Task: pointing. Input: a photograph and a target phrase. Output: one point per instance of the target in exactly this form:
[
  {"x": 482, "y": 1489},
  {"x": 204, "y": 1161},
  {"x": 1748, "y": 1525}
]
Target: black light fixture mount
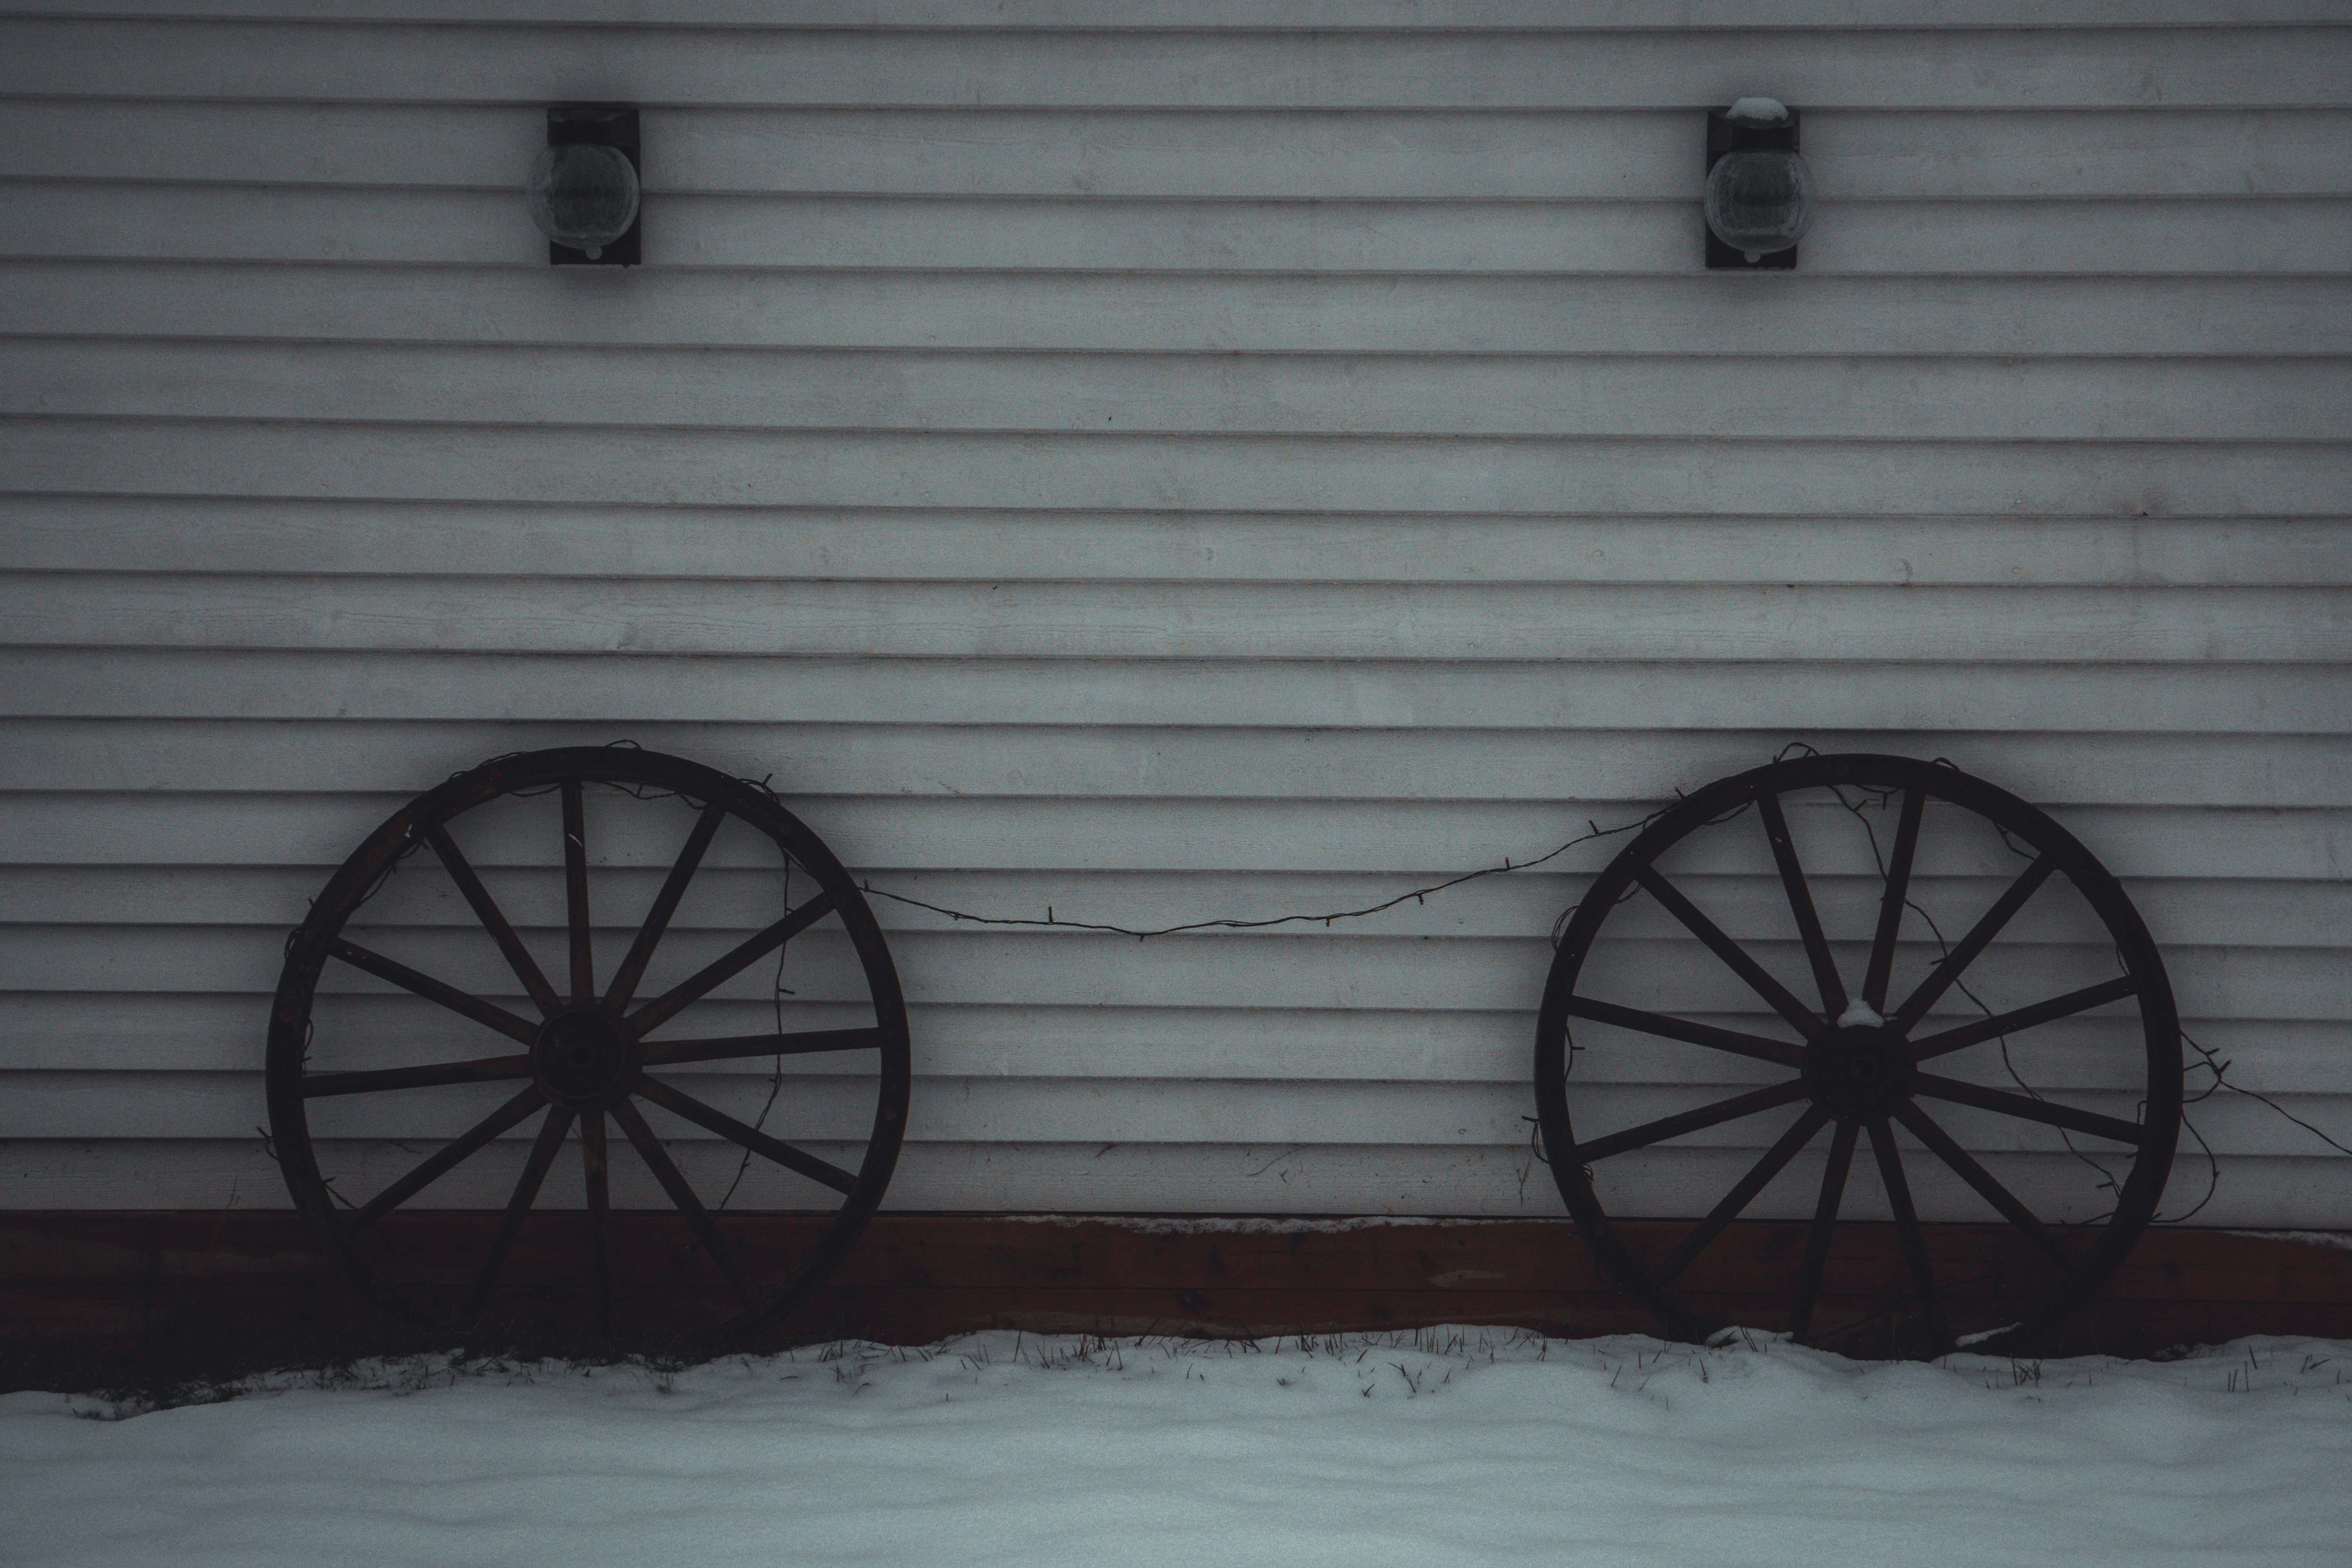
[
  {"x": 583, "y": 187},
  {"x": 1759, "y": 194}
]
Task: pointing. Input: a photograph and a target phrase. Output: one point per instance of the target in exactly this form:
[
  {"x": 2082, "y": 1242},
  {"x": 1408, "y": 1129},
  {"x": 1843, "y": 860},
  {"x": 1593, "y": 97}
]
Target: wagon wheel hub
[
  {"x": 586, "y": 1057},
  {"x": 1859, "y": 1073}
]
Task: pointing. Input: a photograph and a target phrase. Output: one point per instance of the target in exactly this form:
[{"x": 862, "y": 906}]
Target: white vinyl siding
[{"x": 1165, "y": 461}]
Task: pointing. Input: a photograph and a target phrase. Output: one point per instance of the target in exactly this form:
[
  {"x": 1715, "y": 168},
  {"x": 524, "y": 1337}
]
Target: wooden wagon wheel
[
  {"x": 356, "y": 1067},
  {"x": 1937, "y": 1061}
]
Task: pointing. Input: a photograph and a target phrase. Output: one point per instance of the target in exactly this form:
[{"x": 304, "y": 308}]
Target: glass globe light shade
[
  {"x": 582, "y": 196},
  {"x": 1759, "y": 201}
]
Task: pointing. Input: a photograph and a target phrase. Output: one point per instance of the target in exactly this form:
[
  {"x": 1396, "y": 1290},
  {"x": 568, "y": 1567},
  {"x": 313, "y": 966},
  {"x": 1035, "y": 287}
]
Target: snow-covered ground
[{"x": 1470, "y": 1445}]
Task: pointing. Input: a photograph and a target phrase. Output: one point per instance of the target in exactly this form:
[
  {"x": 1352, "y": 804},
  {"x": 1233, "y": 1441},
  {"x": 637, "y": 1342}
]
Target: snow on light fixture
[
  {"x": 1760, "y": 195},
  {"x": 582, "y": 190}
]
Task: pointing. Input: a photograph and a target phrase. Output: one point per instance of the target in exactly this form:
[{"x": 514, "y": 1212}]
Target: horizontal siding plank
[
  {"x": 169, "y": 1032},
  {"x": 2182, "y": 400},
  {"x": 1143, "y": 763},
  {"x": 199, "y": 536},
  {"x": 1396, "y": 1120},
  {"x": 1308, "y": 154},
  {"x": 1476, "y": 974},
  {"x": 1430, "y": 840},
  {"x": 1386, "y": 16},
  {"x": 2281, "y": 67},
  {"x": 207, "y": 1106},
  {"x": 1077, "y": 1178},
  {"x": 1787, "y": 314},
  {"x": 2240, "y": 912},
  {"x": 1240, "y": 1046},
  {"x": 1256, "y": 621},
  {"x": 1095, "y": 234},
  {"x": 164, "y": 1031},
  {"x": 1270, "y": 473},
  {"x": 618, "y": 689},
  {"x": 1974, "y": 156}
]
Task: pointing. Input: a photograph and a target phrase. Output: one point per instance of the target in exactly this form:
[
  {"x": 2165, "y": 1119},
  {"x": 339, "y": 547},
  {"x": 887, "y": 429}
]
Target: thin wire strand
[
  {"x": 776, "y": 1083},
  {"x": 1594, "y": 831}
]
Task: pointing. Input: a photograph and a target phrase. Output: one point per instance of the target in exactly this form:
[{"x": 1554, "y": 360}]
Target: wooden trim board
[{"x": 244, "y": 1288}]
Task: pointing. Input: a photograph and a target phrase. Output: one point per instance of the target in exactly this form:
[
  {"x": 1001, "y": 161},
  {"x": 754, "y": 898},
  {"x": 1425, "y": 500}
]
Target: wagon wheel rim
[
  {"x": 583, "y": 1057},
  {"x": 1859, "y": 1067}
]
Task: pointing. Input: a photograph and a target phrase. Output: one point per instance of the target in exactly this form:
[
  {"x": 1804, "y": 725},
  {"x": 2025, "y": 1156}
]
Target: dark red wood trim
[{"x": 138, "y": 1284}]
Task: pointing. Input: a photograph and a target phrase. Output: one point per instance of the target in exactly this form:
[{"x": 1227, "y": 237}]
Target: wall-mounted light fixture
[
  {"x": 582, "y": 190},
  {"x": 1760, "y": 195}
]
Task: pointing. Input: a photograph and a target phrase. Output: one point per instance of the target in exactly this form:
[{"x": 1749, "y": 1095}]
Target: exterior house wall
[{"x": 1138, "y": 460}]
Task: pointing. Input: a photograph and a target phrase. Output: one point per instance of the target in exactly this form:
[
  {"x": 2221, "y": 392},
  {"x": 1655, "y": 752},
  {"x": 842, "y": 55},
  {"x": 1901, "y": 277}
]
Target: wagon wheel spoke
[
  {"x": 2048, "y": 1113},
  {"x": 1907, "y": 1227},
  {"x": 1957, "y": 960},
  {"x": 1817, "y": 1239},
  {"x": 1722, "y": 1110},
  {"x": 1800, "y": 904},
  {"x": 752, "y": 1138},
  {"x": 1890, "y": 903},
  {"x": 650, "y": 1150},
  {"x": 2073, "y": 1001},
  {"x": 1668, "y": 1029},
  {"x": 1940, "y": 1142},
  {"x": 641, "y": 951},
  {"x": 594, "y": 1171},
  {"x": 1798, "y": 1015},
  {"x": 534, "y": 1172},
  {"x": 482, "y": 1070},
  {"x": 440, "y": 1163},
  {"x": 1741, "y": 1195},
  {"x": 655, "y": 1014},
  {"x": 727, "y": 1048},
  {"x": 575, "y": 891},
  {"x": 486, "y": 909},
  {"x": 487, "y": 1014}
]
